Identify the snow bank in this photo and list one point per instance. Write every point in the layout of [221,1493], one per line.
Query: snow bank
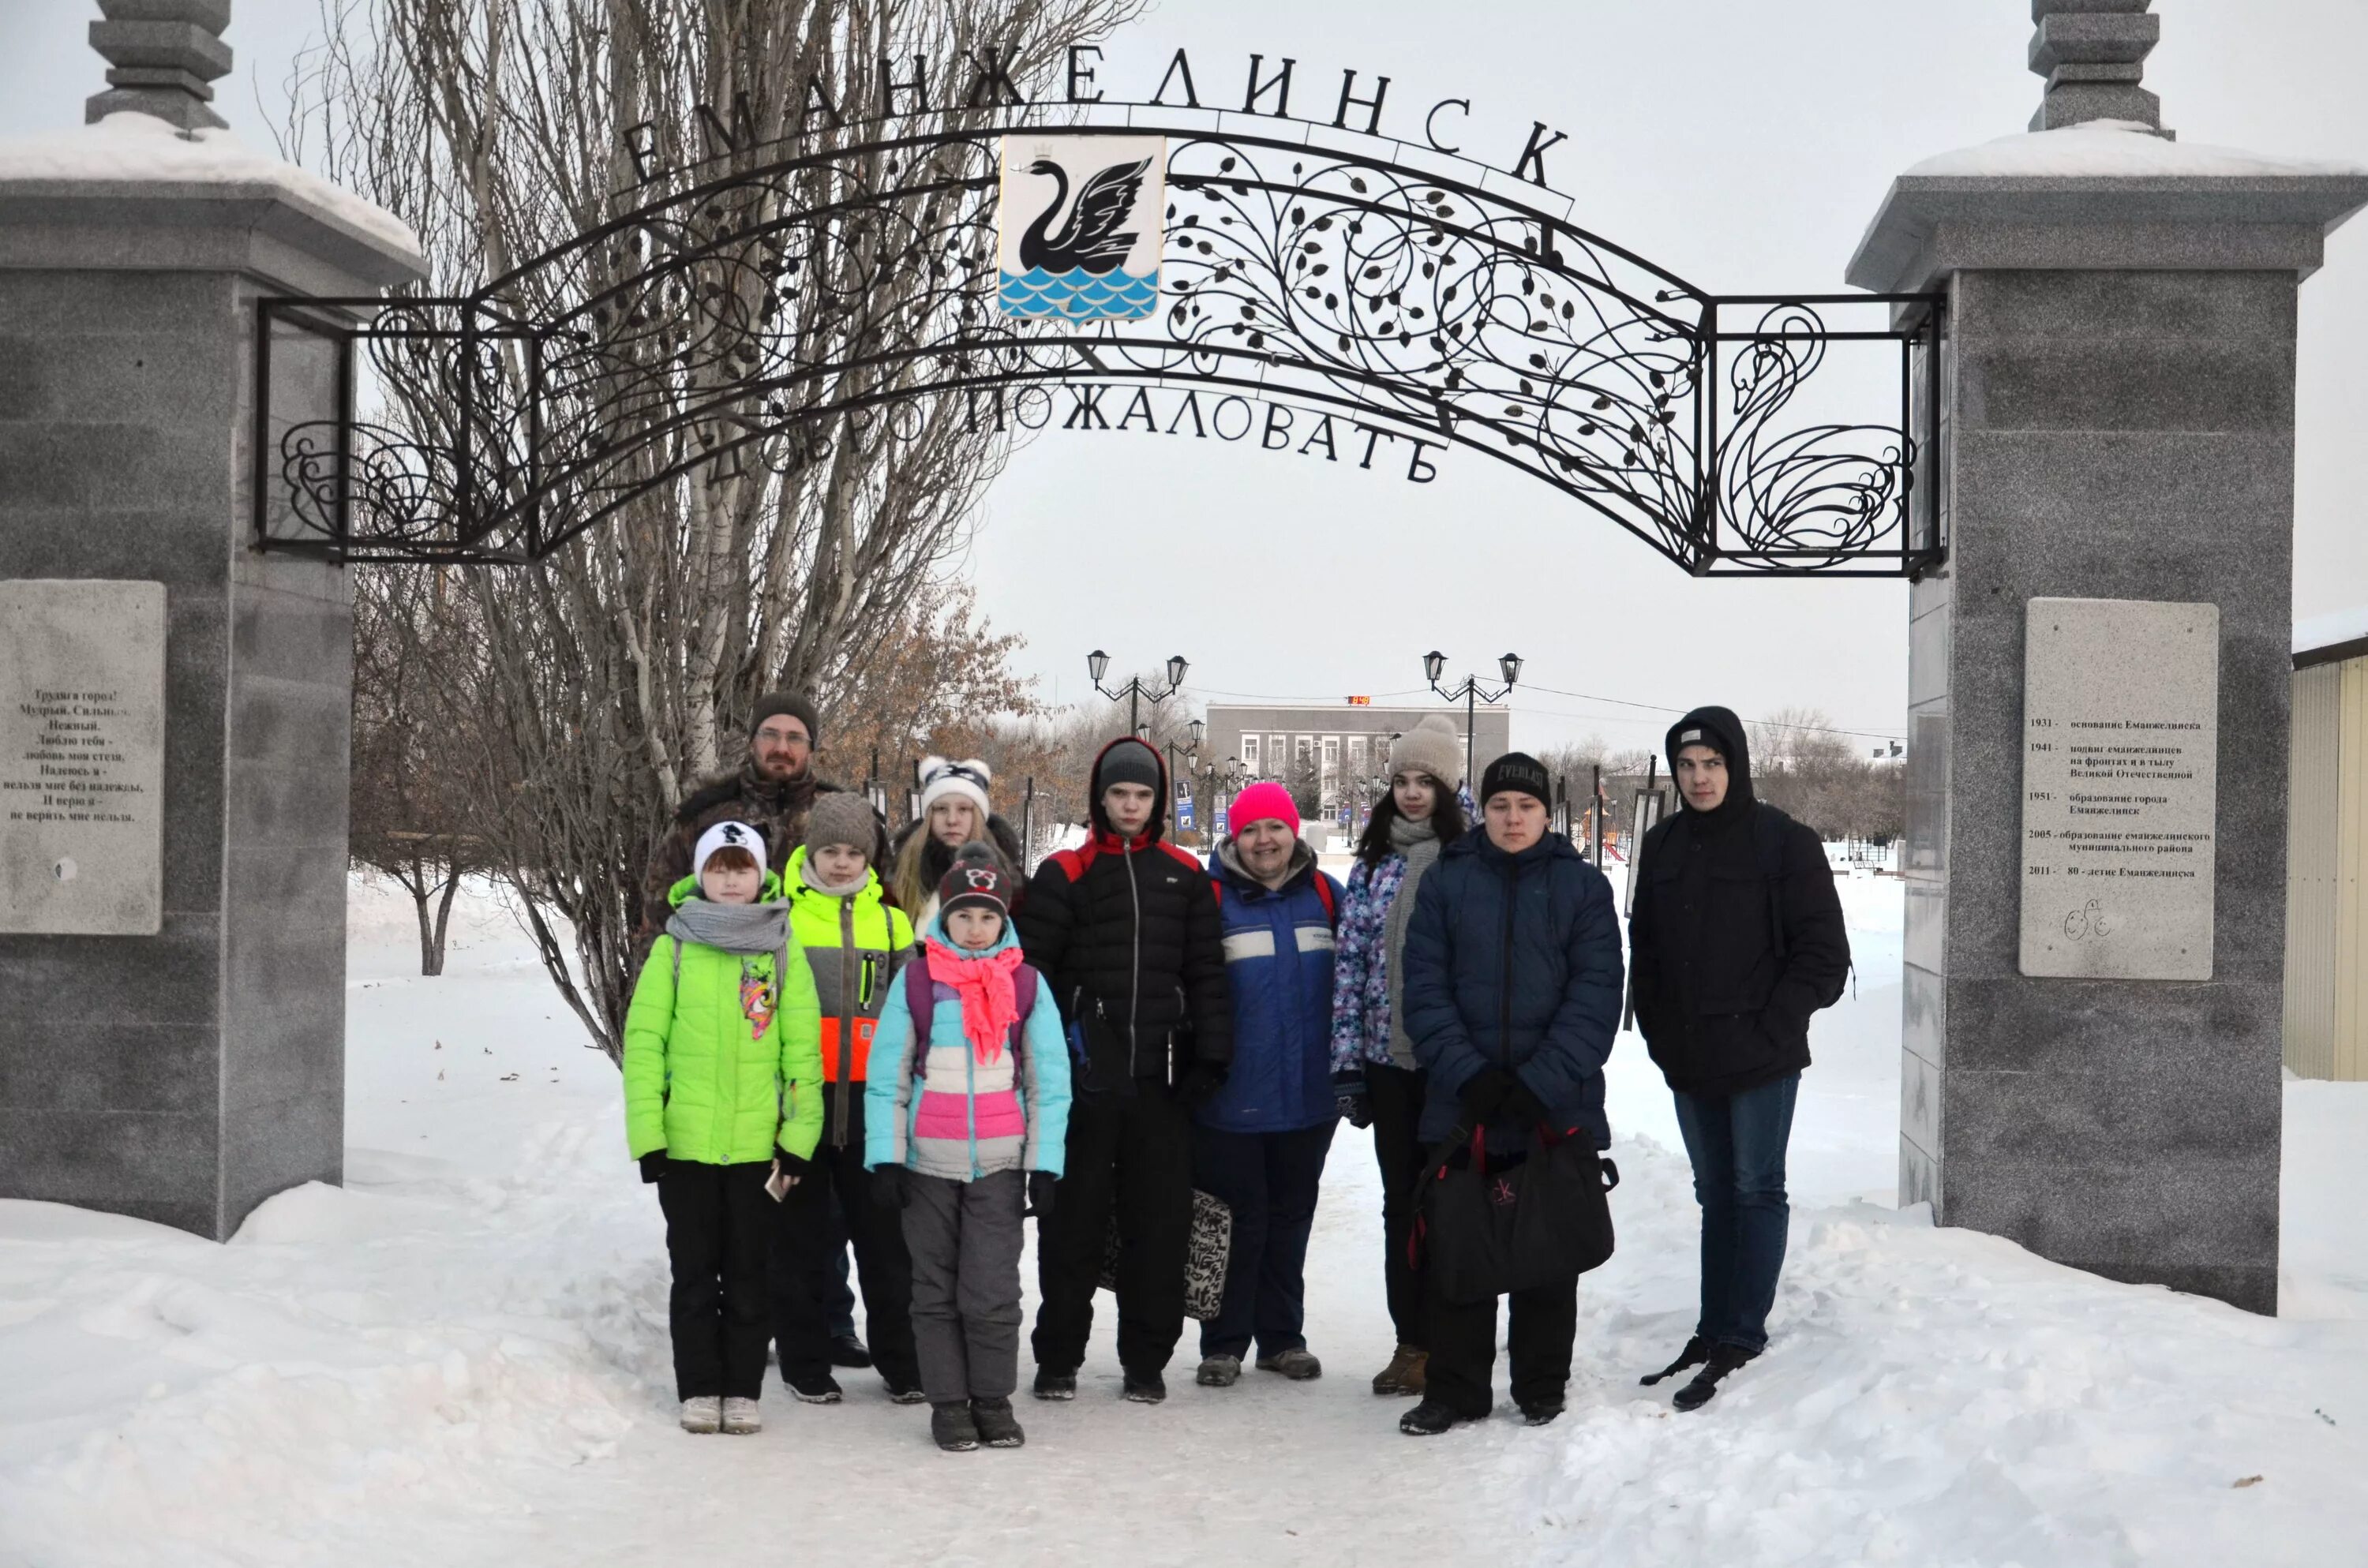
[1938,1397]
[133,148]
[2323,1247]
[2115,149]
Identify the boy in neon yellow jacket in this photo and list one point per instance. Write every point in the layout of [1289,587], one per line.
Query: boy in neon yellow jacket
[723,1109]
[853,942]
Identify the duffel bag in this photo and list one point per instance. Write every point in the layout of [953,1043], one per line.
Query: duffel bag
[1486,1232]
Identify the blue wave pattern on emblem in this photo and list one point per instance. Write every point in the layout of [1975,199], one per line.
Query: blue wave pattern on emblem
[1079,295]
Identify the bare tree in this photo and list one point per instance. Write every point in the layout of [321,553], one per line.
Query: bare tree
[607,680]
[412,818]
[940,682]
[1824,776]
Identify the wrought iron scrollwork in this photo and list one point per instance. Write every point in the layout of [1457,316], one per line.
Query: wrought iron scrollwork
[1802,493]
[728,324]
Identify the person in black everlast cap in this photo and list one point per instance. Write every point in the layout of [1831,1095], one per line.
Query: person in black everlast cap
[1512,1000]
[1736,940]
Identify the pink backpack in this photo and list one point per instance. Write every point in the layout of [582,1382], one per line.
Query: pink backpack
[921,1001]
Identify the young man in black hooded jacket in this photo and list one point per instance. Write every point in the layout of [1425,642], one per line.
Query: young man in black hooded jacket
[1125,930]
[1736,940]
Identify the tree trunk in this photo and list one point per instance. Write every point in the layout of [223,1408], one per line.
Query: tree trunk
[434,957]
[431,936]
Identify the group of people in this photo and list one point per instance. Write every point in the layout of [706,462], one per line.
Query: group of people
[840,1040]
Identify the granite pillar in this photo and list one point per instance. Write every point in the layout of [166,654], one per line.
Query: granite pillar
[2118,381]
[182,1076]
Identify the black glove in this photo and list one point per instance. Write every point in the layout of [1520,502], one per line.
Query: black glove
[1484,1094]
[888,1186]
[1200,1083]
[1041,1186]
[1349,1101]
[654,1164]
[1522,1105]
[791,1165]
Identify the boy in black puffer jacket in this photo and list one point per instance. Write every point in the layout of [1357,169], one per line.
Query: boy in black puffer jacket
[1125,929]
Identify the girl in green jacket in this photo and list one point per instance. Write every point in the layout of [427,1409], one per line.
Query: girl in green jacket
[723,1109]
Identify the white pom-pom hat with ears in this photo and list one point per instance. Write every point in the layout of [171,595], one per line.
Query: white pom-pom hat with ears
[734,835]
[970,780]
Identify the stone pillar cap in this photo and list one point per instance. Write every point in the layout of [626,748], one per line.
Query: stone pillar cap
[130,170]
[165,55]
[2103,194]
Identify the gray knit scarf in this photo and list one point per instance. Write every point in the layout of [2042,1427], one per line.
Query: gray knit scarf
[1418,842]
[733,927]
[848,889]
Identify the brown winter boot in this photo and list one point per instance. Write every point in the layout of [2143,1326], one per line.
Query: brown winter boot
[1404,1375]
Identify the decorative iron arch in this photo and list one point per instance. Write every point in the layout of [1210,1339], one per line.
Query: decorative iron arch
[733,315]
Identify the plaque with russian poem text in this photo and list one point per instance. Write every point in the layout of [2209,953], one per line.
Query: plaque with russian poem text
[81,757]
[2121,714]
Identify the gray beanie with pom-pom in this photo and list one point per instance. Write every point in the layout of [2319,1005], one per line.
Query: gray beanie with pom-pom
[1432,746]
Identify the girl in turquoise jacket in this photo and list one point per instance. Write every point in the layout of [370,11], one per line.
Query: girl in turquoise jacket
[965,1119]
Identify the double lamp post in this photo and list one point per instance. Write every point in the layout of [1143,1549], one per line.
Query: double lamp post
[1471,693]
[1135,691]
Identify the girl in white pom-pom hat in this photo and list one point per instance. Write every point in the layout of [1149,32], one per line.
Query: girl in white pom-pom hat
[954,811]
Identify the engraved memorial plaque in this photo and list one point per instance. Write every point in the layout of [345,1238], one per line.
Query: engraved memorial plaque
[81,757]
[2120,753]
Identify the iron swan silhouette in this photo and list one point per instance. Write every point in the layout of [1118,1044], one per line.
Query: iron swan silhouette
[1090,241]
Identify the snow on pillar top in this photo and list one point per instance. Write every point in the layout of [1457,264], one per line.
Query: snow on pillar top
[2093,54]
[164,56]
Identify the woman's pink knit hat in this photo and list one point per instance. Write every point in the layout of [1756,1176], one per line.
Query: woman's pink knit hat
[1261,802]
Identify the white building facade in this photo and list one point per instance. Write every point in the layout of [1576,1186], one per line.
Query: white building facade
[1348,746]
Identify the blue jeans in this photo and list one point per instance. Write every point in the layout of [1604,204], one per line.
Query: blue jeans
[1737,1144]
[1269,1180]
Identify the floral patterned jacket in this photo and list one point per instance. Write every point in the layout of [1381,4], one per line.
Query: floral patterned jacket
[1360,967]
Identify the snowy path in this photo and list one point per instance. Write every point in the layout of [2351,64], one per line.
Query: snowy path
[460,1358]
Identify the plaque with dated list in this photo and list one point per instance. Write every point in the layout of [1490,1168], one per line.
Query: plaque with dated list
[2120,766]
[81,757]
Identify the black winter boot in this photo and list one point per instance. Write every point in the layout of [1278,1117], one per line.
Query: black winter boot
[1428,1419]
[952,1425]
[845,1350]
[1050,1384]
[997,1428]
[1145,1388]
[1696,1352]
[1724,1358]
[1538,1412]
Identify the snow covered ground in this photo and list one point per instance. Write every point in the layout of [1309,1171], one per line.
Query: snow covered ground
[460,1358]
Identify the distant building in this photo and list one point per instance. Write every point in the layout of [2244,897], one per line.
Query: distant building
[2326,843]
[1348,744]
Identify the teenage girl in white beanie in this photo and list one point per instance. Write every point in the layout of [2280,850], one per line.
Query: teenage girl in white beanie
[954,811]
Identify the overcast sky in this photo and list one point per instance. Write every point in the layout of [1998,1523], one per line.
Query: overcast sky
[1742,144]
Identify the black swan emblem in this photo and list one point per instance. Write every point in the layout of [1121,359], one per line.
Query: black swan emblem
[1090,241]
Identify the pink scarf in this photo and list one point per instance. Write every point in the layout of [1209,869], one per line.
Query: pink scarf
[982,983]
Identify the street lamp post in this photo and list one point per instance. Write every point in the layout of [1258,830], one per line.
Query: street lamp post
[1135,691]
[1471,693]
